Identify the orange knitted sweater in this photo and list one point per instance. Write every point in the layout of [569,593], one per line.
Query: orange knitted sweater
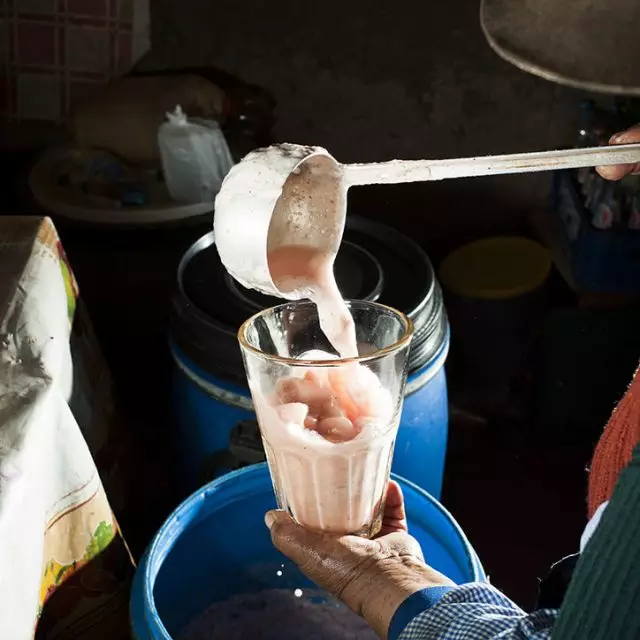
[615,448]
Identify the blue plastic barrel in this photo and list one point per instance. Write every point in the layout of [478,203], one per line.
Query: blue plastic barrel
[207,409]
[215,545]
[214,423]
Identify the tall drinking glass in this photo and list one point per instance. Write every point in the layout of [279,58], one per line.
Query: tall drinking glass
[328,425]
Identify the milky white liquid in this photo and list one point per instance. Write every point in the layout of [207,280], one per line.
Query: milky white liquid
[329,472]
[328,433]
[329,441]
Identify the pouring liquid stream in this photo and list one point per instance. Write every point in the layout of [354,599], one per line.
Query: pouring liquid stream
[344,407]
[328,431]
[310,271]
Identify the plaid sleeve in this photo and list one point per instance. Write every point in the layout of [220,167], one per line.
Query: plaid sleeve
[477,611]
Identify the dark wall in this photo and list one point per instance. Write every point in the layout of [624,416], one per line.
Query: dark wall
[377,80]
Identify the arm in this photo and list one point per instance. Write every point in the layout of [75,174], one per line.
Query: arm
[372,577]
[469,612]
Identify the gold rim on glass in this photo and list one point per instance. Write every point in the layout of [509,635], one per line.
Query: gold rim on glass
[403,341]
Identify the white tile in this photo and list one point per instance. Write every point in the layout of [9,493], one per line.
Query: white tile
[38,97]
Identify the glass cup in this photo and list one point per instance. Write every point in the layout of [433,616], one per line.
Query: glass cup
[328,425]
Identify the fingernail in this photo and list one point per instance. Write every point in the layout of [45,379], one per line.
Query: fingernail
[269,519]
[616,137]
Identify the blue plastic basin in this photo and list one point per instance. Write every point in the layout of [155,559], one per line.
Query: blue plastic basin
[215,545]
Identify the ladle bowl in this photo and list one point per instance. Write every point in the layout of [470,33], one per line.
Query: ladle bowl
[286,195]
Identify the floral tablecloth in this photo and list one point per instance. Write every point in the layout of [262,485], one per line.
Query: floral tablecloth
[65,570]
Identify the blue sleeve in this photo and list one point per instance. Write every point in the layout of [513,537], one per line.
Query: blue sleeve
[473,611]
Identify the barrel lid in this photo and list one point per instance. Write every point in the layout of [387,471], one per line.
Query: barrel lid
[208,285]
[374,263]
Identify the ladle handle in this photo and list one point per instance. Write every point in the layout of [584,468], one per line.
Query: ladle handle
[397,171]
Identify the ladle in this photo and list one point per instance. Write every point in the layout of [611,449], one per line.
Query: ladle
[291,194]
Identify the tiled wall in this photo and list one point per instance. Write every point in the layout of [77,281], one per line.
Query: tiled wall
[55,52]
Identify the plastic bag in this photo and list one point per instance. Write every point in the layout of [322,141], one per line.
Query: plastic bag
[195,157]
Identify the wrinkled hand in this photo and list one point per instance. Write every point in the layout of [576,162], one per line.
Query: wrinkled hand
[372,577]
[618,171]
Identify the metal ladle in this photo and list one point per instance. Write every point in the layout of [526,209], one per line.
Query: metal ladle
[292,194]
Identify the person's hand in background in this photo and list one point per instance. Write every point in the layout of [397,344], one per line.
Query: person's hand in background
[373,577]
[619,171]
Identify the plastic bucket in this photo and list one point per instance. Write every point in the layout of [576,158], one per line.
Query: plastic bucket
[215,545]
[495,297]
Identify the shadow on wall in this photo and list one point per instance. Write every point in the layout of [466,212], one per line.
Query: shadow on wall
[377,80]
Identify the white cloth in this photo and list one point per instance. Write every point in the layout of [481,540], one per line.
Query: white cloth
[54,515]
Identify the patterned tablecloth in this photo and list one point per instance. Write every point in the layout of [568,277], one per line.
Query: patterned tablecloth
[65,570]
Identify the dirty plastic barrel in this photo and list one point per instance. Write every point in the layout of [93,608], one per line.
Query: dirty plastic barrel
[215,546]
[215,426]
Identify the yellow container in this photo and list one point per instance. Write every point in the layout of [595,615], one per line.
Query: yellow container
[497,268]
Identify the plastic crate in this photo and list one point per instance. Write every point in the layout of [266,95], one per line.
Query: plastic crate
[601,261]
